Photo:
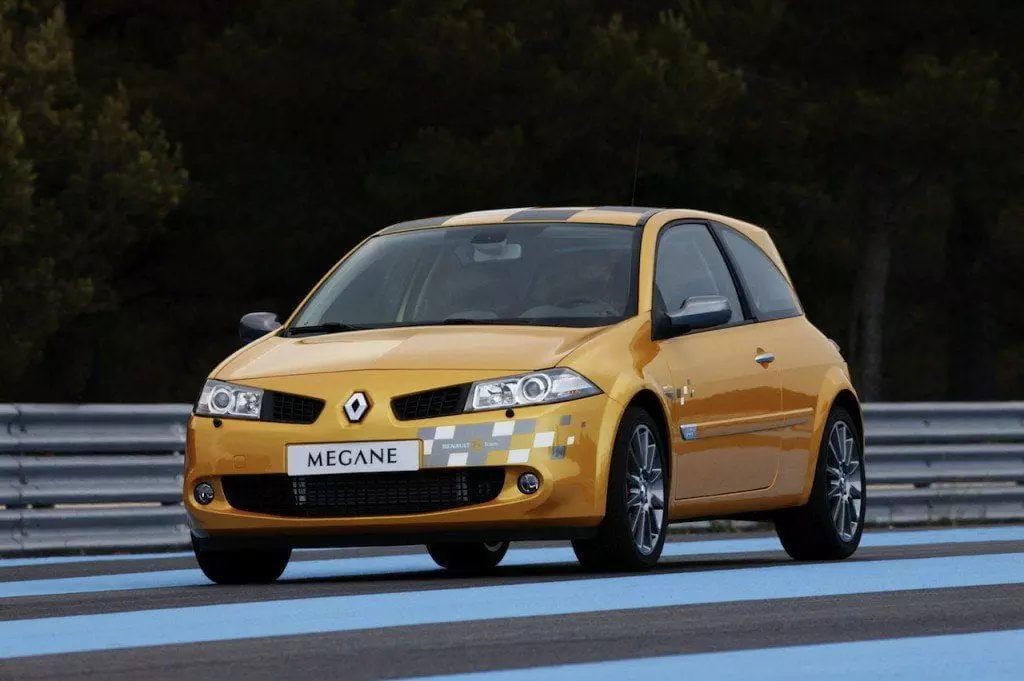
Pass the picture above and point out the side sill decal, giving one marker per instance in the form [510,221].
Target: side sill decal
[776,421]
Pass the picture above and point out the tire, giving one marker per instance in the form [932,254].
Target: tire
[240,566]
[468,557]
[621,544]
[838,498]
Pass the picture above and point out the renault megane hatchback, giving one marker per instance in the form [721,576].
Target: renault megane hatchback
[590,374]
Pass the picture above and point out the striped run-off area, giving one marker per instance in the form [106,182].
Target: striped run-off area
[936,604]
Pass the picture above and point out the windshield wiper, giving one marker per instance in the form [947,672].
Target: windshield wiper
[469,321]
[327,327]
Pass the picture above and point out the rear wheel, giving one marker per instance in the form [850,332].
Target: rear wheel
[468,557]
[829,525]
[632,534]
[240,566]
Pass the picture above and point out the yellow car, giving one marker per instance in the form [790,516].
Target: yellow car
[590,374]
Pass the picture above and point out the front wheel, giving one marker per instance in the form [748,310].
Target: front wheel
[829,525]
[632,534]
[240,566]
[468,557]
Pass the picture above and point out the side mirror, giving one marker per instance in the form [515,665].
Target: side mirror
[701,312]
[256,325]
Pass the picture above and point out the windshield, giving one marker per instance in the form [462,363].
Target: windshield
[545,274]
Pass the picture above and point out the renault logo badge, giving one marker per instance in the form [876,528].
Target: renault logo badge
[356,407]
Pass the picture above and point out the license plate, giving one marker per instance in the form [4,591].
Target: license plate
[353,457]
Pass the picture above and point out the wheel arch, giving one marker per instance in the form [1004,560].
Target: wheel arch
[649,401]
[848,401]
[836,390]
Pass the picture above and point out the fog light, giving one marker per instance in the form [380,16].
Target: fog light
[203,493]
[529,483]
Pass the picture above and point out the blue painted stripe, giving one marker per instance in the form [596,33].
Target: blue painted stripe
[742,545]
[61,560]
[20,638]
[162,579]
[991,656]
[106,558]
[409,563]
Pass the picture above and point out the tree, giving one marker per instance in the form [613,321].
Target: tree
[891,131]
[879,142]
[81,185]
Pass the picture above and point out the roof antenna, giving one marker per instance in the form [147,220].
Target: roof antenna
[636,164]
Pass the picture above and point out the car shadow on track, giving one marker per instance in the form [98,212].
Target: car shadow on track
[539,572]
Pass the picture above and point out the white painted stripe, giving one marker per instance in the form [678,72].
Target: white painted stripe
[544,439]
[428,446]
[458,458]
[444,433]
[518,455]
[502,428]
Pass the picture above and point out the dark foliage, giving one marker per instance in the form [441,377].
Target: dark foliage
[881,143]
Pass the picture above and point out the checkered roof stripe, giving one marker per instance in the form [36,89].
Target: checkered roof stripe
[635,216]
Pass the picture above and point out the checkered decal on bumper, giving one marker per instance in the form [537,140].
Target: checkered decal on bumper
[494,443]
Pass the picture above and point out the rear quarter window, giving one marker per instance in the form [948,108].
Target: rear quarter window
[770,295]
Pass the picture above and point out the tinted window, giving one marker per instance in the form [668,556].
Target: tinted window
[689,264]
[770,294]
[545,274]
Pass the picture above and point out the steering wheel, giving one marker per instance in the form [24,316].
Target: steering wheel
[576,301]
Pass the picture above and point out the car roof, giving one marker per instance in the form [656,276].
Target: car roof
[628,216]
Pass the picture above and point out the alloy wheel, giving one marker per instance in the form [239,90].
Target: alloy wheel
[645,490]
[843,476]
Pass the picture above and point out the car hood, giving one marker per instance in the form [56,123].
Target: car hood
[501,348]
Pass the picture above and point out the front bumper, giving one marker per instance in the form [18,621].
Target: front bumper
[568,445]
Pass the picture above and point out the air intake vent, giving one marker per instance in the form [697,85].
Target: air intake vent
[363,494]
[431,403]
[288,408]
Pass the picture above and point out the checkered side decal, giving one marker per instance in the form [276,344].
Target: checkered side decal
[492,443]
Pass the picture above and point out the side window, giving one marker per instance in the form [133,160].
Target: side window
[689,263]
[771,296]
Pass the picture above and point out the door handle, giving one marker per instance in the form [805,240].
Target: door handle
[765,358]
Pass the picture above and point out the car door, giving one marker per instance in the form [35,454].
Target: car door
[726,392]
[795,342]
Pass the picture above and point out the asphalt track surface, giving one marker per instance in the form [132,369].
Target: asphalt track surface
[924,604]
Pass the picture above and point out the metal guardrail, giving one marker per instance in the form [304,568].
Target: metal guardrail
[91,477]
[101,428]
[944,462]
[108,477]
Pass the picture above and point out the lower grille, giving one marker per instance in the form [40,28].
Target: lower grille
[363,494]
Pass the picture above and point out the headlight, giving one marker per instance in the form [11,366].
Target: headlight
[540,387]
[229,400]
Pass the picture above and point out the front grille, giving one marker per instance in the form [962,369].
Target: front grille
[288,408]
[430,403]
[363,494]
